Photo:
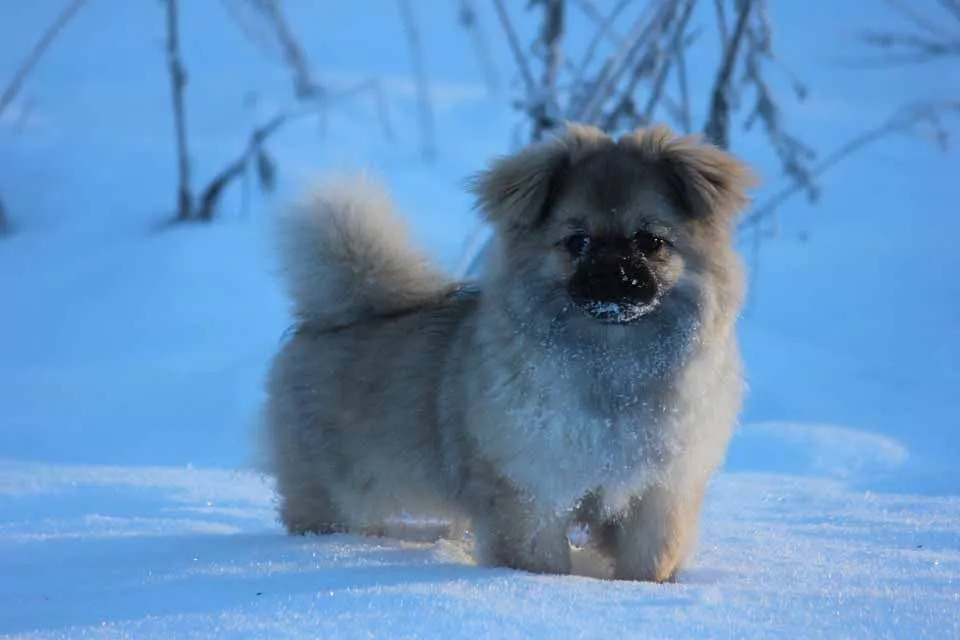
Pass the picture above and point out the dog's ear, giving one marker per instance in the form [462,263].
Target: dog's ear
[706,181]
[518,190]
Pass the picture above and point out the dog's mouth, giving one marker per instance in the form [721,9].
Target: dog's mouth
[616,312]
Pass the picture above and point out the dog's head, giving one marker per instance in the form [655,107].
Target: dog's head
[616,230]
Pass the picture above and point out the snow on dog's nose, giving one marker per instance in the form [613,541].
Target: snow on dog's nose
[616,288]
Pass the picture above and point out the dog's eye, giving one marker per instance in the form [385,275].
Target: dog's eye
[576,244]
[647,243]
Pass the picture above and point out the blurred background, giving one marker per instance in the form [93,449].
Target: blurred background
[145,147]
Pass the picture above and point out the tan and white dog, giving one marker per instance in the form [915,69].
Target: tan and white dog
[592,374]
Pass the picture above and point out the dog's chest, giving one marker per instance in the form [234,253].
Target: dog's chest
[564,432]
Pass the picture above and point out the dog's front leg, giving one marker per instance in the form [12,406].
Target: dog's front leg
[652,539]
[515,532]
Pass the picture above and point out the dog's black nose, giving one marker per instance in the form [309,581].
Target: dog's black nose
[614,280]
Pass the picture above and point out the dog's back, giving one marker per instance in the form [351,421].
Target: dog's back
[351,419]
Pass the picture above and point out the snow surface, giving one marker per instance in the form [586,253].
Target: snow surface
[132,356]
[161,552]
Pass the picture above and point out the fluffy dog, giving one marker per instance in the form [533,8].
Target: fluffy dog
[592,375]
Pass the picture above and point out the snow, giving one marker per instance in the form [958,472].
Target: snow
[132,358]
[161,552]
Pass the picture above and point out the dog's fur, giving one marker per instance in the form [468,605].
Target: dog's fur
[403,391]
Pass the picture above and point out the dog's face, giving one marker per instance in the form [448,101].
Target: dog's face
[616,233]
[616,236]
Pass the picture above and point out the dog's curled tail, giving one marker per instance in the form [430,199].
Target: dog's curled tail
[346,256]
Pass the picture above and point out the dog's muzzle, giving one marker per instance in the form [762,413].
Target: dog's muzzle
[615,289]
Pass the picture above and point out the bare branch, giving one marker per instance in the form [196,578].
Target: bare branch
[625,106]
[4,220]
[210,196]
[684,110]
[257,31]
[642,33]
[604,23]
[910,47]
[952,6]
[654,58]
[673,108]
[178,80]
[717,128]
[905,48]
[305,87]
[469,20]
[918,19]
[676,49]
[33,57]
[521,59]
[428,146]
[902,121]
[545,110]
[605,30]
[722,25]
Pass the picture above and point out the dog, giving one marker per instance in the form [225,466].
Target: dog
[591,375]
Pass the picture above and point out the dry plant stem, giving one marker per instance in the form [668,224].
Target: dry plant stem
[33,57]
[304,86]
[605,30]
[617,65]
[684,109]
[545,108]
[898,123]
[953,6]
[425,105]
[211,194]
[651,60]
[515,47]
[721,24]
[470,21]
[675,55]
[178,81]
[4,222]
[717,128]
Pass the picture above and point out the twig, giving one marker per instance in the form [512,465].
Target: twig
[674,109]
[676,51]
[259,34]
[684,111]
[917,18]
[469,20]
[604,23]
[953,6]
[721,25]
[545,111]
[33,57]
[642,68]
[916,48]
[178,81]
[605,30]
[304,86]
[616,66]
[521,59]
[625,105]
[4,221]
[901,121]
[793,154]
[717,128]
[210,196]
[428,146]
